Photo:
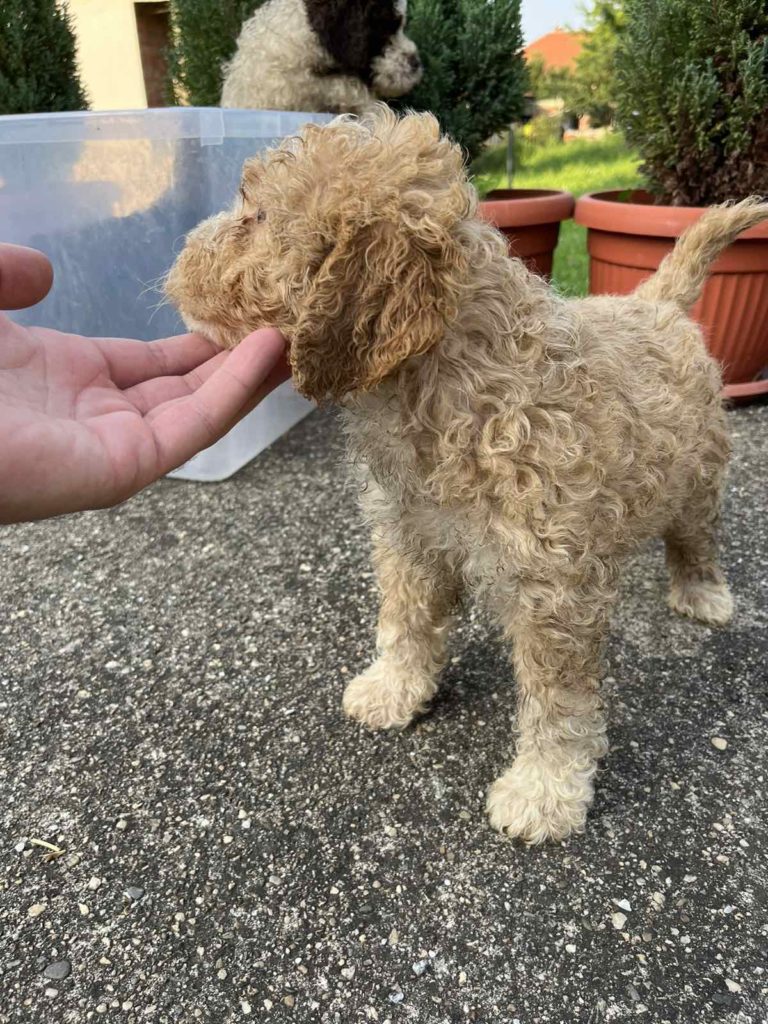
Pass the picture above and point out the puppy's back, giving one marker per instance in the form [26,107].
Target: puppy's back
[273,46]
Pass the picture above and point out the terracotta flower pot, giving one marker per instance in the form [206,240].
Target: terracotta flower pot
[628,240]
[530,219]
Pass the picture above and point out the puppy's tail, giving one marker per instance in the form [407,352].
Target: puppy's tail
[681,274]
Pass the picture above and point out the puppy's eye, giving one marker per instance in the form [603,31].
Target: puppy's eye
[261,216]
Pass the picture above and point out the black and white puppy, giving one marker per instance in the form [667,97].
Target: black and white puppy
[322,55]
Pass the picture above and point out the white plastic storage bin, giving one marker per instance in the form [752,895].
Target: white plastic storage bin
[109,197]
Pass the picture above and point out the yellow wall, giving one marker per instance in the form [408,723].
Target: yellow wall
[108,53]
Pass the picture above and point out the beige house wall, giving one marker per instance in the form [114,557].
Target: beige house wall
[108,53]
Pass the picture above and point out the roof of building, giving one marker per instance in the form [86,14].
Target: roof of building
[558,49]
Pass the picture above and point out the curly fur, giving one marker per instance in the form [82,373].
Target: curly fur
[512,442]
[322,55]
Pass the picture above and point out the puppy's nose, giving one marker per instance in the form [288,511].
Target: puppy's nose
[414,63]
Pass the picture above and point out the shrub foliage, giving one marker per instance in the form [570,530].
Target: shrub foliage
[693,96]
[474,72]
[38,64]
[594,84]
[204,36]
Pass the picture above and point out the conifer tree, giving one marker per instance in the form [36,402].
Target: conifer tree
[474,72]
[204,37]
[38,64]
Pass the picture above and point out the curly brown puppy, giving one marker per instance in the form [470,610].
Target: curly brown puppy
[514,443]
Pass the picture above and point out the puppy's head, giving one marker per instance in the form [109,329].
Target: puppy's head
[346,240]
[366,38]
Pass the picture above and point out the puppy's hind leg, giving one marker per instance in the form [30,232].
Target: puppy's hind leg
[557,632]
[414,620]
[697,583]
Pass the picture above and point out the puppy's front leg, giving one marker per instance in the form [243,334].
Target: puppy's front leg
[557,631]
[414,620]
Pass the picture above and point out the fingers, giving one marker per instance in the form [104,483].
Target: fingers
[279,373]
[151,393]
[26,276]
[132,362]
[184,426]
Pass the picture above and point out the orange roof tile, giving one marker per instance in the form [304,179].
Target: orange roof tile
[559,49]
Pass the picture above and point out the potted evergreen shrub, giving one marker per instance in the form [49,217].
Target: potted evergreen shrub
[474,82]
[693,99]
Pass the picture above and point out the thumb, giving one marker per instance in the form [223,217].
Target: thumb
[26,276]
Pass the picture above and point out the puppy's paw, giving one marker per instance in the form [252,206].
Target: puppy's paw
[708,602]
[386,697]
[535,802]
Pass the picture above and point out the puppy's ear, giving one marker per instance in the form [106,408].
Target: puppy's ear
[353,31]
[391,279]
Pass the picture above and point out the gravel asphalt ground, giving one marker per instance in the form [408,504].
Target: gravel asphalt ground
[235,850]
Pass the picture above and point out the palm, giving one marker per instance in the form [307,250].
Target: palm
[91,421]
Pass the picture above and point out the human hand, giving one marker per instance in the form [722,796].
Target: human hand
[88,422]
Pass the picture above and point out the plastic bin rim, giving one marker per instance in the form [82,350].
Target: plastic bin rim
[210,125]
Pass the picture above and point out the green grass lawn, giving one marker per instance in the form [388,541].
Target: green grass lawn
[576,167]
